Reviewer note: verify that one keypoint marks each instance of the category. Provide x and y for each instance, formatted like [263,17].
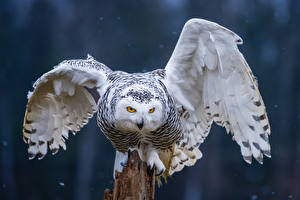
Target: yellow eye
[151,110]
[131,109]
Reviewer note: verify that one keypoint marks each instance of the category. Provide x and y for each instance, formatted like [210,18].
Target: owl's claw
[149,168]
[159,173]
[123,164]
[153,160]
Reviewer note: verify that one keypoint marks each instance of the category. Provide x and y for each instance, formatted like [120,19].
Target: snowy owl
[163,114]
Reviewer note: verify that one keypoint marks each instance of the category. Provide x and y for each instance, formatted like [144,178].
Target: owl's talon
[160,172]
[154,160]
[149,169]
[123,164]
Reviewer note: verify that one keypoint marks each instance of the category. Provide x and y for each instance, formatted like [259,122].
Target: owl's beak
[140,124]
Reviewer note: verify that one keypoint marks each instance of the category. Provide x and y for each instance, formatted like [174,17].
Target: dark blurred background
[140,35]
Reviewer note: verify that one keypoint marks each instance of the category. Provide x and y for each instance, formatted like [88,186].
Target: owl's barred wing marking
[186,151]
[210,78]
[61,103]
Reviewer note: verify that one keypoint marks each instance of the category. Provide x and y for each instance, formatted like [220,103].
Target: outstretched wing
[210,79]
[61,102]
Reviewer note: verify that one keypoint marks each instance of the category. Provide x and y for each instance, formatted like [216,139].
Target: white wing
[61,103]
[210,78]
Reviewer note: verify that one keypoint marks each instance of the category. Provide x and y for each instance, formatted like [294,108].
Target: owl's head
[139,109]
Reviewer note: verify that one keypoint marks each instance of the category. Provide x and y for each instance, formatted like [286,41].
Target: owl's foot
[120,161]
[153,160]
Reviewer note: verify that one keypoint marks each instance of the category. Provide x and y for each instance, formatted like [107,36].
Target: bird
[164,114]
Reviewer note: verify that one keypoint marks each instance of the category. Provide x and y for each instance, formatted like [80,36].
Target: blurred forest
[140,35]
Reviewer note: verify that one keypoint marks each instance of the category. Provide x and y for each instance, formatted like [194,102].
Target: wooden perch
[134,182]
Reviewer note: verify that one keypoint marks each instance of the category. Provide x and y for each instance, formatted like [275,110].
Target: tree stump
[135,182]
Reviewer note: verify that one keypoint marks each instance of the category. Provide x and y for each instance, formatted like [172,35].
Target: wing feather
[209,77]
[61,103]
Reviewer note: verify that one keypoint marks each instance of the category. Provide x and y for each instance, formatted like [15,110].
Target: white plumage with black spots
[164,114]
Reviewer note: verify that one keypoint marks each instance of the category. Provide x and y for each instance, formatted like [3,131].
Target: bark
[134,182]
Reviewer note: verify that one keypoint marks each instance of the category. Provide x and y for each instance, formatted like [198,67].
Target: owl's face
[138,111]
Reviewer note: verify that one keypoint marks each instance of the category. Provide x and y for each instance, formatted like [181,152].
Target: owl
[164,114]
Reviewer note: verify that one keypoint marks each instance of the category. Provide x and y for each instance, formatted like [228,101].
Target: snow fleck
[254,197]
[161,46]
[290,196]
[61,184]
[4,143]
